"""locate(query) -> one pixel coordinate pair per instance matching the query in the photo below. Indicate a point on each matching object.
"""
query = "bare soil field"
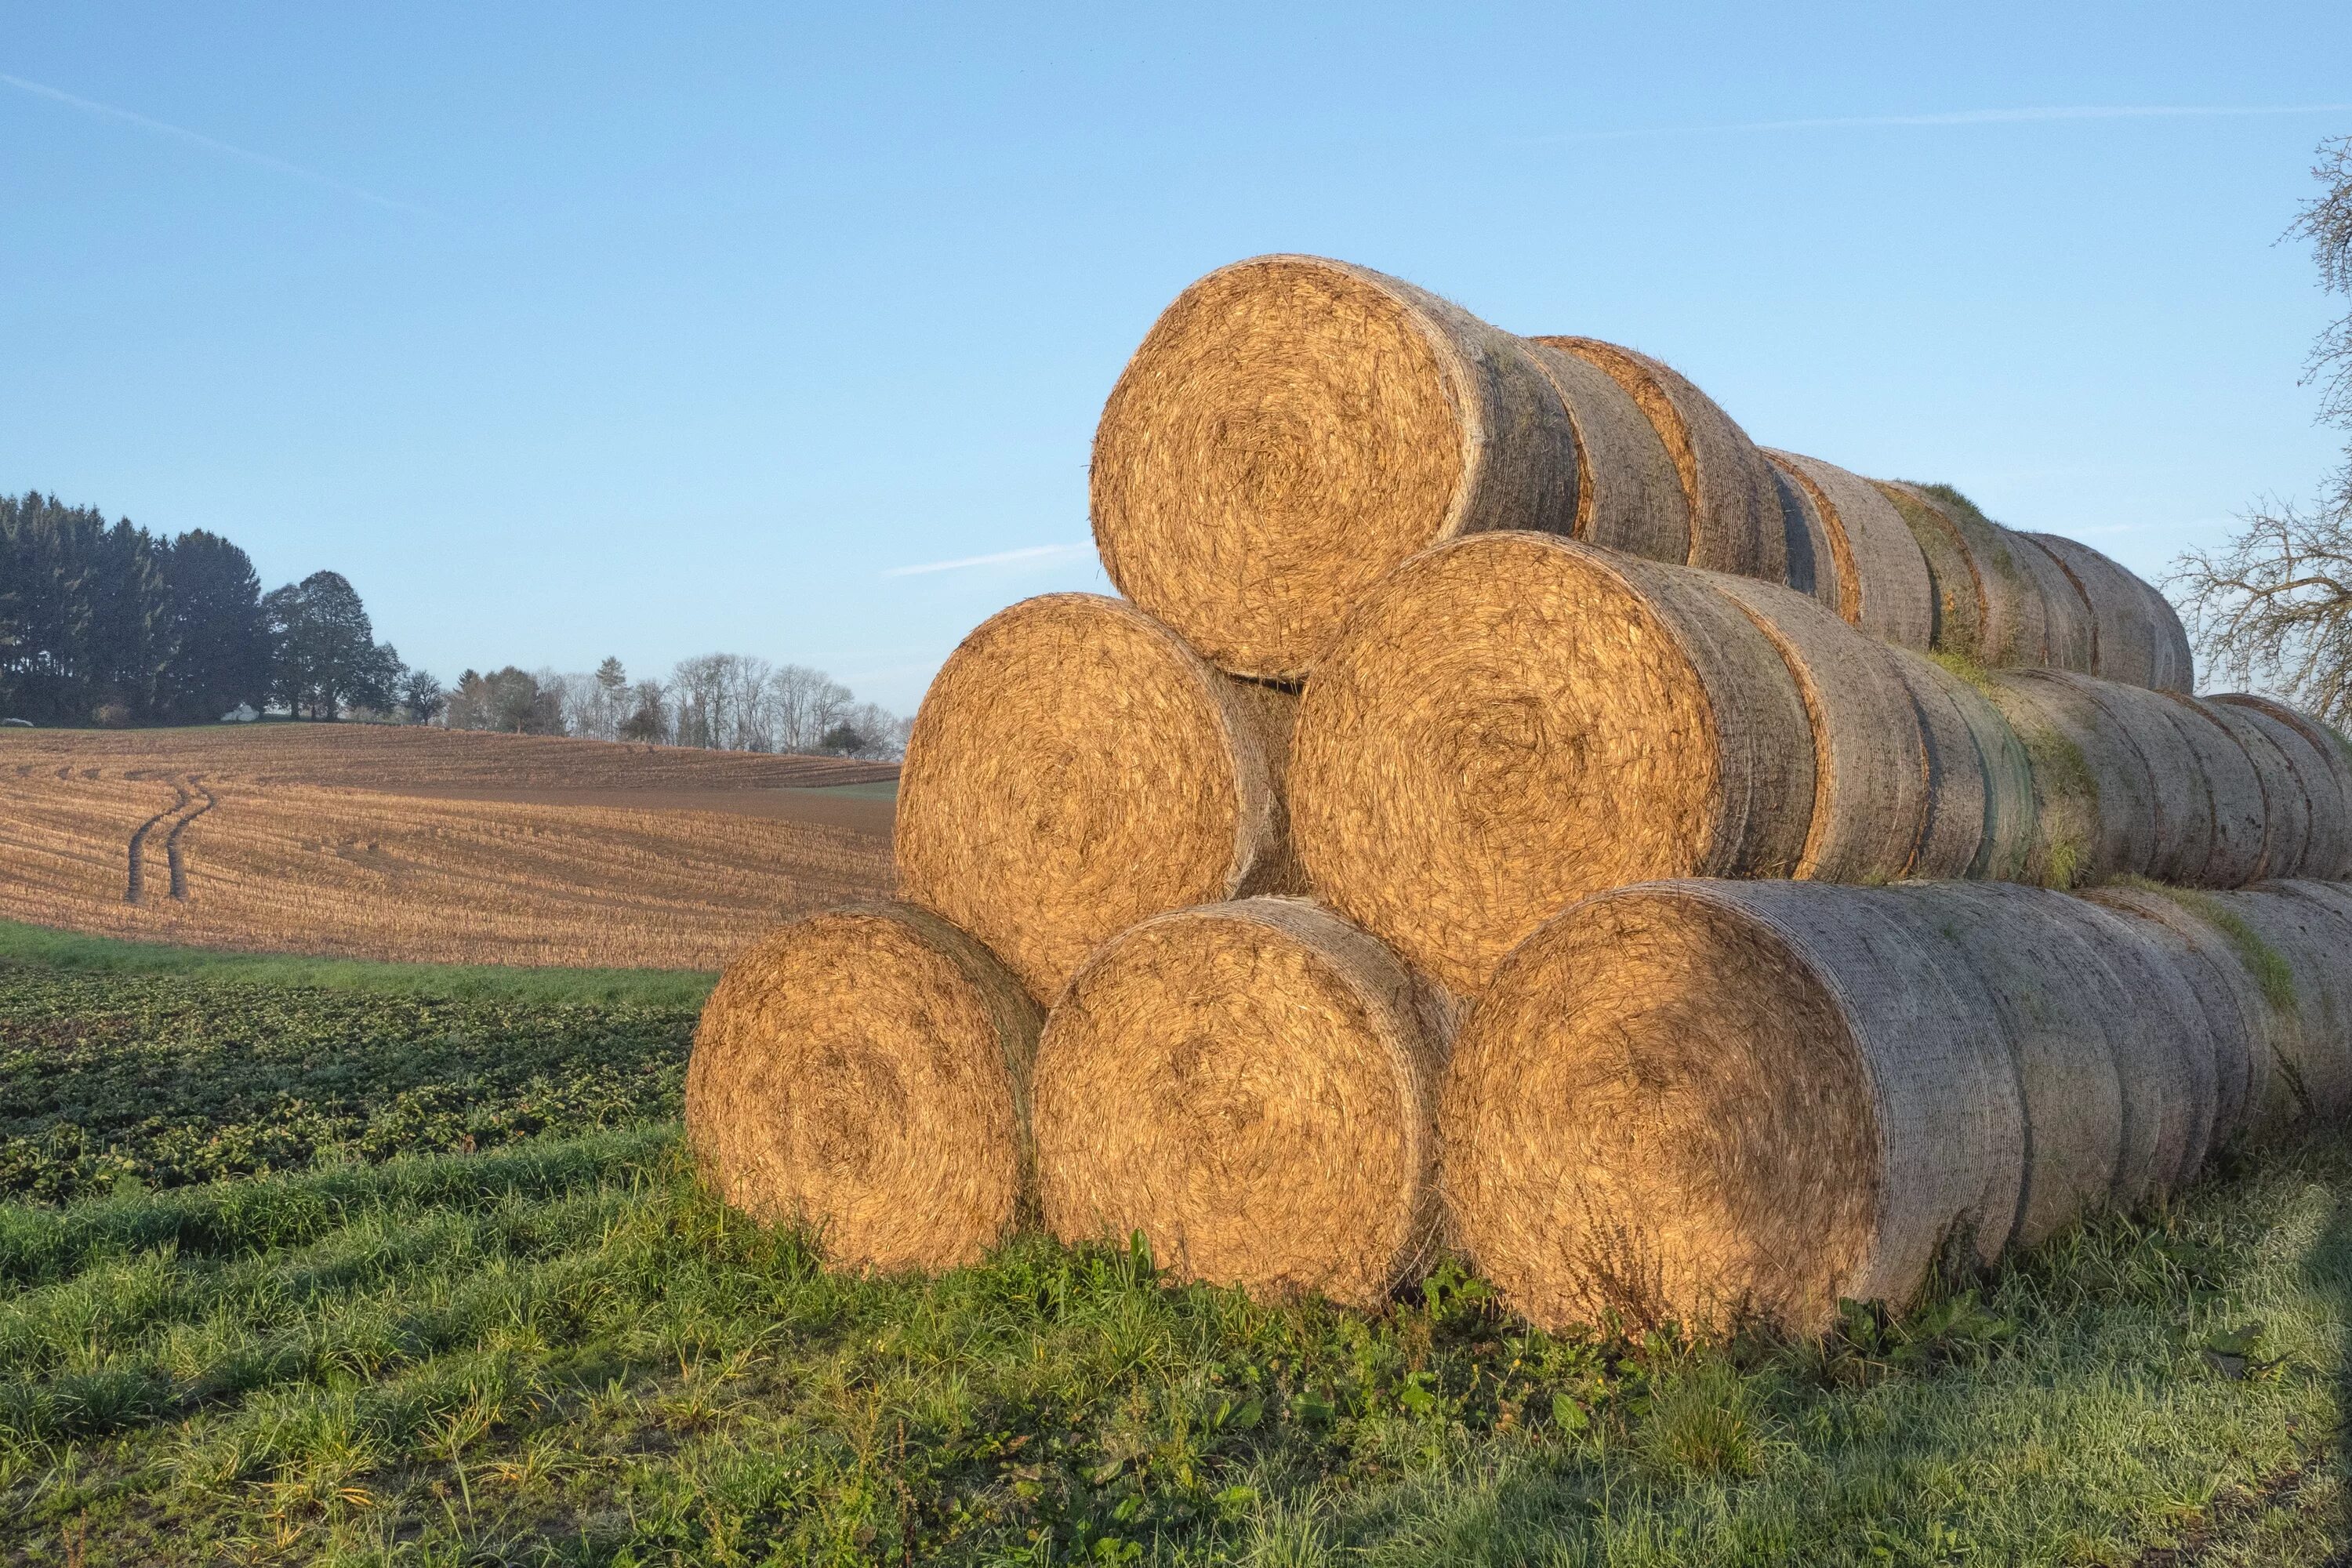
(430, 845)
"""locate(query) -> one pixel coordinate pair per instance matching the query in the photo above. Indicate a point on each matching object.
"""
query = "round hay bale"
(2233, 795)
(2181, 802)
(1253, 1087)
(1629, 495)
(2070, 637)
(2013, 627)
(2095, 811)
(1293, 428)
(2240, 1022)
(1514, 720)
(1956, 596)
(1981, 822)
(1074, 768)
(2286, 810)
(865, 1072)
(1703, 1102)
(2136, 637)
(2295, 947)
(1812, 564)
(1883, 581)
(2165, 1055)
(1871, 762)
(1735, 509)
(2326, 771)
(2056, 1002)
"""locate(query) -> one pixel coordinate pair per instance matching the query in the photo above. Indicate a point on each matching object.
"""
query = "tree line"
(107, 623)
(726, 702)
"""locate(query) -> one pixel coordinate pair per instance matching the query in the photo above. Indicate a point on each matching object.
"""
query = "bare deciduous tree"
(2275, 607)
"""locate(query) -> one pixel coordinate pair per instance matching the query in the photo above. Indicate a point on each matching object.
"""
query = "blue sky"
(654, 330)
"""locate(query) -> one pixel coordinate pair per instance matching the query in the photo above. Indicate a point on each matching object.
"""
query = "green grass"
(72, 950)
(556, 1348)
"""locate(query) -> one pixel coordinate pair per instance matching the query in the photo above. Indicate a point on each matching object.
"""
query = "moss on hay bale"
(1963, 805)
(1701, 1102)
(1293, 428)
(863, 1072)
(2014, 628)
(1251, 1086)
(1735, 508)
(1515, 720)
(1076, 768)
(2093, 811)
(1884, 586)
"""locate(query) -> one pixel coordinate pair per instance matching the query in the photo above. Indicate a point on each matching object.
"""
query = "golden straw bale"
(865, 1072)
(1513, 720)
(1700, 1102)
(1883, 581)
(1871, 760)
(1076, 768)
(1733, 507)
(1251, 1085)
(1293, 428)
(2320, 761)
(1813, 562)
(2093, 801)
(2137, 635)
(1629, 495)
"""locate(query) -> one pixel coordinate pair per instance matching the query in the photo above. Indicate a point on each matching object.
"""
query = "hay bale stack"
(2181, 797)
(2232, 788)
(1629, 494)
(2295, 942)
(1884, 586)
(1251, 1085)
(2286, 809)
(1293, 428)
(1872, 766)
(1735, 508)
(1813, 562)
(2239, 1021)
(1701, 1102)
(1074, 769)
(865, 1072)
(1980, 819)
(2012, 622)
(2137, 635)
(1514, 720)
(2093, 801)
(2315, 755)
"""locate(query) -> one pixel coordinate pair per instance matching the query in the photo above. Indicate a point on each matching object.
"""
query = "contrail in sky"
(243, 154)
(1969, 117)
(1033, 552)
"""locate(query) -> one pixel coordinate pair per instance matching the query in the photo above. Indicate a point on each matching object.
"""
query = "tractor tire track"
(171, 851)
(136, 886)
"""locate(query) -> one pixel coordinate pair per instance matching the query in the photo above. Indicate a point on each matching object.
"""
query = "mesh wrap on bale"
(2011, 618)
(2317, 758)
(2227, 776)
(1251, 1085)
(2137, 635)
(1735, 509)
(1980, 814)
(1629, 495)
(1293, 428)
(1076, 768)
(2095, 811)
(2239, 1020)
(1883, 586)
(863, 1072)
(1813, 560)
(1513, 720)
(1703, 1102)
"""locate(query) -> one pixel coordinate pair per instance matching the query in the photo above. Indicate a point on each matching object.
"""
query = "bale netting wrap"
(2095, 814)
(1883, 581)
(2317, 757)
(2286, 809)
(1629, 495)
(1514, 720)
(1253, 1087)
(1074, 768)
(2300, 951)
(1956, 598)
(2054, 999)
(1293, 428)
(2137, 635)
(2007, 571)
(2234, 795)
(1813, 562)
(1980, 816)
(1735, 511)
(1701, 1102)
(1871, 763)
(2181, 803)
(2238, 1018)
(863, 1072)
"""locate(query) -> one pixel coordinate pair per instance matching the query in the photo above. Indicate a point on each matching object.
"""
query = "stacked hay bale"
(1430, 632)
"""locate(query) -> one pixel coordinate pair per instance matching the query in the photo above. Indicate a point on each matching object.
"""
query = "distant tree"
(844, 739)
(648, 722)
(2274, 607)
(220, 638)
(422, 696)
(326, 655)
(509, 700)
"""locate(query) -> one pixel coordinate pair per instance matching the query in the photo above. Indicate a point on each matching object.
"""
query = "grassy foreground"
(541, 1342)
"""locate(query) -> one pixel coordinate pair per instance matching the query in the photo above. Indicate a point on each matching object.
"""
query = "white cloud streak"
(1967, 117)
(225, 148)
(1001, 558)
